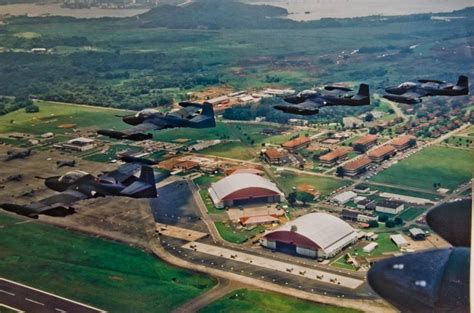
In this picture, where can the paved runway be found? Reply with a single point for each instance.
(27, 299)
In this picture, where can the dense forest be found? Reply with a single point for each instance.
(155, 58)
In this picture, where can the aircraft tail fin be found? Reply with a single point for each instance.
(363, 90)
(147, 175)
(463, 81)
(207, 109)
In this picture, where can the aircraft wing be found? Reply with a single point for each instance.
(123, 174)
(308, 107)
(409, 97)
(137, 133)
(55, 205)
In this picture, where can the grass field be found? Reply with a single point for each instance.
(448, 166)
(111, 153)
(411, 213)
(324, 185)
(403, 192)
(461, 141)
(111, 276)
(252, 301)
(230, 234)
(235, 150)
(53, 114)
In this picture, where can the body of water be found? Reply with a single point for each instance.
(304, 10)
(55, 9)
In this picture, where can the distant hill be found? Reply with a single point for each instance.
(216, 14)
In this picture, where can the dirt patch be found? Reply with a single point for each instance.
(308, 188)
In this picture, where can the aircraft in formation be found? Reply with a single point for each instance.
(436, 280)
(22, 154)
(309, 102)
(78, 185)
(192, 115)
(411, 92)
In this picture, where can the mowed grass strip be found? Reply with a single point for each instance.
(53, 114)
(230, 234)
(448, 166)
(109, 275)
(244, 300)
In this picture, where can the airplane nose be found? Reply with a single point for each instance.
(132, 120)
(293, 99)
(410, 282)
(54, 184)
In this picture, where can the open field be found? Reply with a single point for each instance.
(53, 114)
(403, 192)
(235, 150)
(111, 276)
(111, 153)
(386, 245)
(325, 185)
(252, 301)
(448, 166)
(411, 213)
(234, 235)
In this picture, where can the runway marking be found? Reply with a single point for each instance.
(275, 265)
(61, 311)
(8, 293)
(11, 308)
(34, 301)
(53, 295)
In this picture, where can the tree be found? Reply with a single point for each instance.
(390, 224)
(339, 171)
(304, 197)
(32, 108)
(383, 218)
(359, 148)
(398, 221)
(373, 224)
(291, 198)
(369, 117)
(373, 131)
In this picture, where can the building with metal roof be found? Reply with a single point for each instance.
(399, 240)
(244, 188)
(315, 235)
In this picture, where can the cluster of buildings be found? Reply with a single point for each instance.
(286, 154)
(109, 4)
(376, 155)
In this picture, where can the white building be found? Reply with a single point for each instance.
(389, 206)
(344, 197)
(370, 247)
(315, 235)
(399, 240)
(79, 144)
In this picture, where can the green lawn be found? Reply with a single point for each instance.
(411, 213)
(252, 301)
(385, 245)
(109, 275)
(403, 192)
(460, 141)
(325, 185)
(236, 236)
(235, 150)
(53, 114)
(208, 202)
(448, 166)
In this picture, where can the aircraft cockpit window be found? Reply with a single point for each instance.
(72, 176)
(146, 113)
(407, 85)
(306, 93)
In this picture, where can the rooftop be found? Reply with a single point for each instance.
(402, 140)
(339, 152)
(357, 163)
(393, 204)
(366, 139)
(273, 153)
(296, 142)
(381, 151)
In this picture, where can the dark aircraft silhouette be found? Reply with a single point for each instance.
(62, 163)
(13, 155)
(436, 280)
(192, 115)
(78, 185)
(309, 102)
(411, 93)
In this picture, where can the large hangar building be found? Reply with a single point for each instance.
(244, 189)
(315, 235)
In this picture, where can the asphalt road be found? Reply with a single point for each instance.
(28, 299)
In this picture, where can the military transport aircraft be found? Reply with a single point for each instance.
(435, 280)
(77, 185)
(411, 92)
(309, 102)
(192, 115)
(13, 155)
